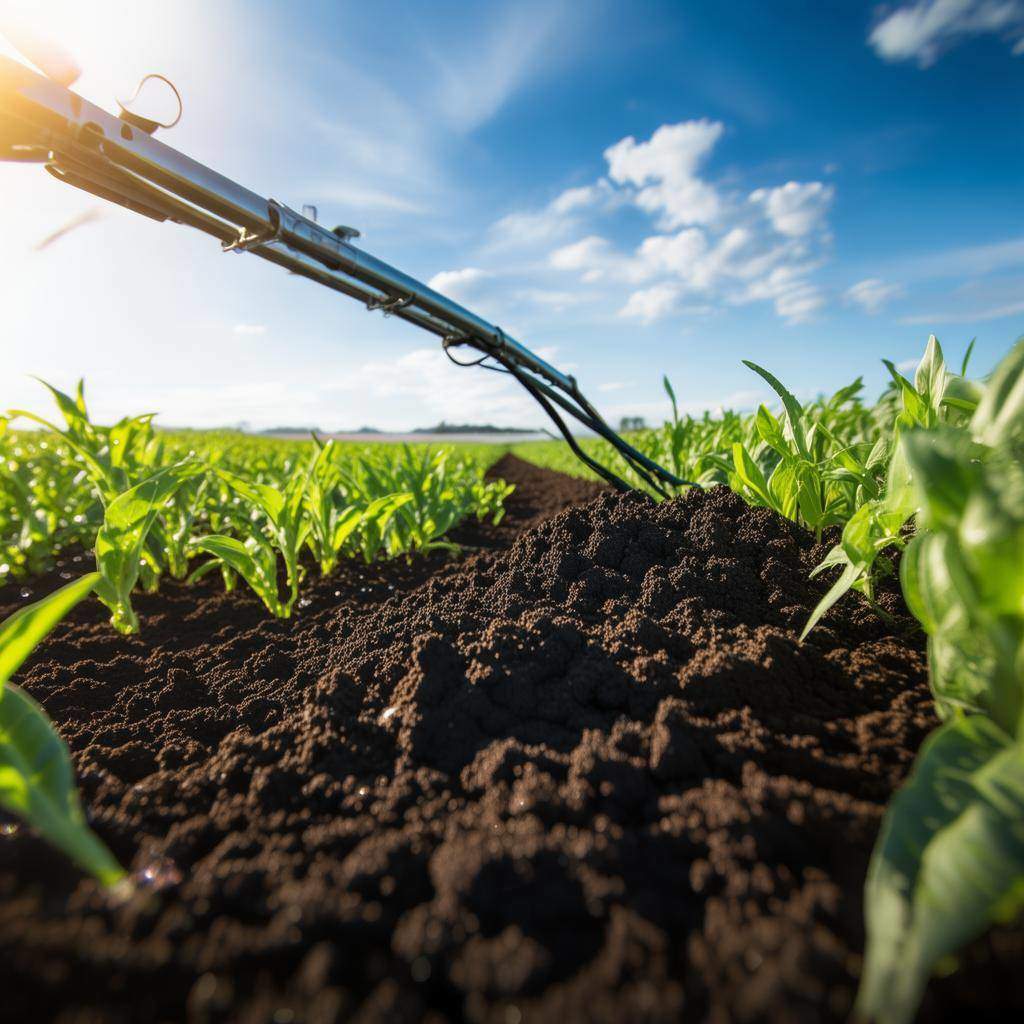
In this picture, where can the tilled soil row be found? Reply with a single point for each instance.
(586, 775)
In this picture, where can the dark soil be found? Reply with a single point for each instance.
(587, 775)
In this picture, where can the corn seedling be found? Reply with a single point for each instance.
(121, 539)
(935, 398)
(287, 528)
(36, 777)
(950, 858)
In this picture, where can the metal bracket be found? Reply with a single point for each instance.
(346, 234)
(390, 305)
(247, 241)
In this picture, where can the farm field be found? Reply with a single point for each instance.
(406, 733)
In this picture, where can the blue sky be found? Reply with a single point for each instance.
(631, 188)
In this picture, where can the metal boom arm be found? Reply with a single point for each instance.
(117, 159)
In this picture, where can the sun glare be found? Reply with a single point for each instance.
(113, 42)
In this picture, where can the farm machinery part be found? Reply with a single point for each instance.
(117, 158)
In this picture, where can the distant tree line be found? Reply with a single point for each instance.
(628, 423)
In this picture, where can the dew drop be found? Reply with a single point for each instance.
(159, 873)
(8, 829)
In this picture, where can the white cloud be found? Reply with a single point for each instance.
(740, 267)
(580, 198)
(529, 228)
(678, 254)
(249, 330)
(536, 227)
(796, 299)
(454, 283)
(924, 30)
(652, 303)
(592, 254)
(710, 245)
(665, 170)
(872, 294)
(614, 385)
(796, 208)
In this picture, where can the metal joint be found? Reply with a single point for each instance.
(247, 240)
(390, 305)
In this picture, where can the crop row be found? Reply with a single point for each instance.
(153, 505)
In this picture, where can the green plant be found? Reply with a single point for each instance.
(255, 559)
(342, 517)
(114, 457)
(121, 539)
(801, 468)
(36, 777)
(935, 398)
(950, 857)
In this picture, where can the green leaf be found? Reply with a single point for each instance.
(22, 631)
(376, 518)
(849, 576)
(121, 538)
(259, 572)
(73, 411)
(793, 407)
(37, 783)
(967, 358)
(100, 474)
(962, 394)
(672, 397)
(944, 471)
(770, 430)
(992, 540)
(347, 523)
(809, 494)
(930, 377)
(749, 473)
(783, 487)
(928, 587)
(1000, 413)
(36, 779)
(847, 394)
(263, 496)
(916, 410)
(949, 862)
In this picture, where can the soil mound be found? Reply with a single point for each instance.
(590, 777)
